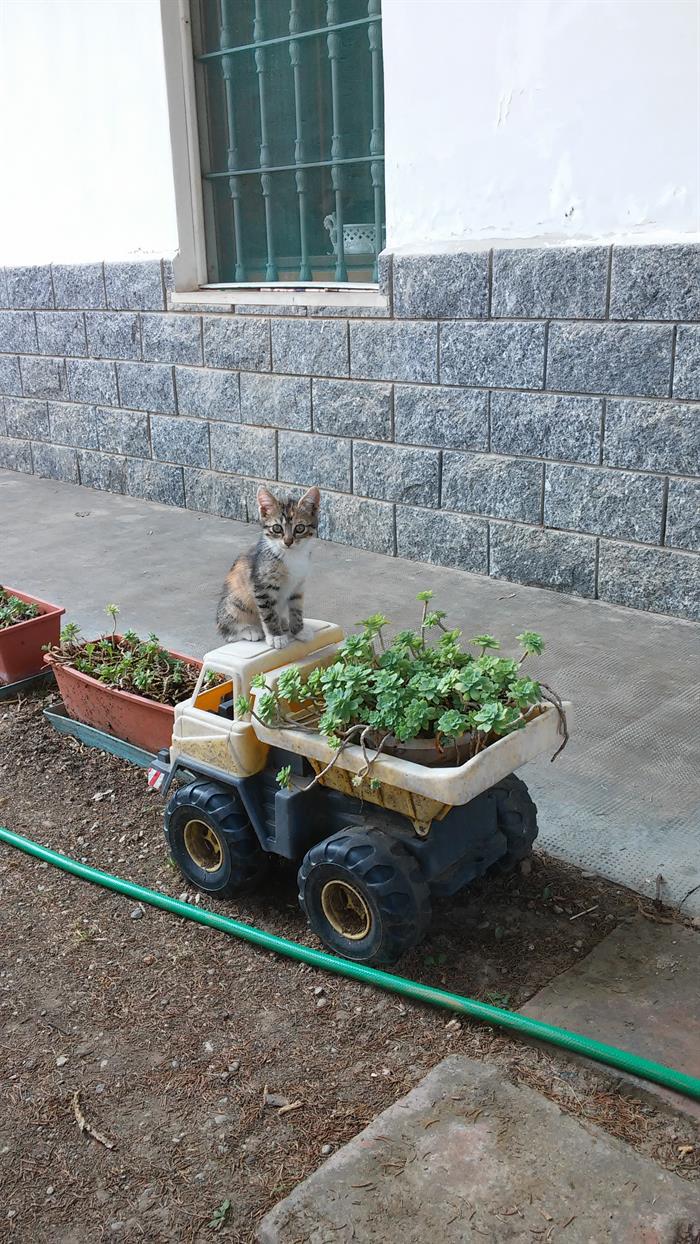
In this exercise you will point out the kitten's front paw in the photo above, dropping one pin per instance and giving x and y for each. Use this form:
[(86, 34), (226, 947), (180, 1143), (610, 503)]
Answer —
[(279, 641)]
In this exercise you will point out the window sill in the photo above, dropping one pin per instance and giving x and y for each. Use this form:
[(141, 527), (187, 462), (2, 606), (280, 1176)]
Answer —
[(362, 297)]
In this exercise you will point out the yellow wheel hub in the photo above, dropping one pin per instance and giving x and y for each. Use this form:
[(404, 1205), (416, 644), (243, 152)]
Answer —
[(203, 846), (346, 910)]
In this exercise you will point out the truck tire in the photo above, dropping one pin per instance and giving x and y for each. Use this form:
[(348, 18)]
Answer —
[(516, 816), (364, 895), (212, 841)]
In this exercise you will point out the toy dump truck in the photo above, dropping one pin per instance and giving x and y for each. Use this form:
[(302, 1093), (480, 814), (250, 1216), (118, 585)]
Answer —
[(371, 854)]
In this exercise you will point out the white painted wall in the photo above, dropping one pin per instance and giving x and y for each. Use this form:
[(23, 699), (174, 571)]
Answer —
[(85, 167), (541, 118), (504, 119)]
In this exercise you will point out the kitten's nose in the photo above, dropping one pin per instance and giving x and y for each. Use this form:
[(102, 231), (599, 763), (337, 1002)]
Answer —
[(289, 541)]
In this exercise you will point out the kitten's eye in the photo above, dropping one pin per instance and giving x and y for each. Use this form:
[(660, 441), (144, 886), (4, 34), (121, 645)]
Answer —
[(299, 528), (276, 530)]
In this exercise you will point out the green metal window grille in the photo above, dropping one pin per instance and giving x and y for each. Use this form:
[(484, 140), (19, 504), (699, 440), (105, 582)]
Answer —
[(290, 104)]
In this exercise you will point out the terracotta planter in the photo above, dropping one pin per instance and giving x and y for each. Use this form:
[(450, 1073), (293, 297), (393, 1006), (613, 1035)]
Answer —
[(21, 645), (136, 720), (424, 751)]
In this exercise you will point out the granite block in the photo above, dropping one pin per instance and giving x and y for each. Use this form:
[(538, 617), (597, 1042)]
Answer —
[(276, 401), (453, 418), (655, 282), (29, 286), (123, 432), (395, 473), (26, 418), (210, 493), (619, 504), (442, 539), (244, 451), (113, 334), (154, 481), (237, 343), (146, 386), (102, 471), (653, 436), (92, 381), (544, 426), (686, 373), (78, 286), (172, 338), (683, 515), (352, 408), (610, 358), (498, 487), (306, 347), (207, 393), (72, 424), (183, 441), (42, 377), (659, 580), (547, 282), (442, 286), (15, 455), (55, 462), (362, 524), (309, 459), (18, 333), (538, 558), (135, 286), (61, 332), (10, 377), (393, 351), (502, 355)]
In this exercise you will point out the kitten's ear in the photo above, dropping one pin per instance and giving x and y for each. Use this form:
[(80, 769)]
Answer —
[(266, 502), (311, 499)]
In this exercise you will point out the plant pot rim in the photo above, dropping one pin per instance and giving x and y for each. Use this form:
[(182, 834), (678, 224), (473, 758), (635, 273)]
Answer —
[(47, 609), (130, 696)]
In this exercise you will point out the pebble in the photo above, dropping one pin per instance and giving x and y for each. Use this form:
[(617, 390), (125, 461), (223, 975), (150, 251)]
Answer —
[(137, 913), (318, 990), (234, 1066), (104, 1062), (99, 1088), (149, 959), (321, 1002), (326, 1149), (50, 1190), (208, 1047), (61, 1061)]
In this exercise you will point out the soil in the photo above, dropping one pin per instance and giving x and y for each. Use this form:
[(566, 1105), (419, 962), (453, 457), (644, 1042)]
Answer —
[(183, 1045)]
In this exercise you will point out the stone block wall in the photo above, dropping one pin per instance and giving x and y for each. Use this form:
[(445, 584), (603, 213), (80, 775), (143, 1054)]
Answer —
[(531, 414)]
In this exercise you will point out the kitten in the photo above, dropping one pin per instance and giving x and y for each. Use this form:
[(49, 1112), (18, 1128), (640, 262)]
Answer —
[(263, 593)]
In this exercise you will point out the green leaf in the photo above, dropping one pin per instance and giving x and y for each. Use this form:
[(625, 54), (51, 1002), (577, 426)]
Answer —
[(284, 777), (242, 706), (289, 685), (219, 1215), (531, 642), (425, 596), (258, 682), (485, 641), (452, 724)]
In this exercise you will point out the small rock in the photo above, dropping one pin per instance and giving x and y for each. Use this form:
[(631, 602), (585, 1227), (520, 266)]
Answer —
[(234, 1066), (149, 959), (321, 1002), (104, 1062), (175, 1064), (453, 1025), (326, 1149), (61, 1061), (558, 909), (695, 921), (137, 913), (99, 1088), (318, 990), (49, 1190), (208, 1047)]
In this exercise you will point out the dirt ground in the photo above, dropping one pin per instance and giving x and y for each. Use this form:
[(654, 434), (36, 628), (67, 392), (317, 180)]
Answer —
[(164, 1036)]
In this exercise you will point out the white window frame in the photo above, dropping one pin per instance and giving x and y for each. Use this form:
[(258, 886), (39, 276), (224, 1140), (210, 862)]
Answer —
[(190, 262)]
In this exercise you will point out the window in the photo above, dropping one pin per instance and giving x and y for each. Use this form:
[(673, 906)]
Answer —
[(290, 118)]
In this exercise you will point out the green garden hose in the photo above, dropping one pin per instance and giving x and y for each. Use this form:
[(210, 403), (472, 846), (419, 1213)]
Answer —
[(622, 1060)]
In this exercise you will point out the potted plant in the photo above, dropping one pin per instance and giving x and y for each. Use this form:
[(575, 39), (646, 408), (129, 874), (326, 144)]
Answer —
[(433, 704), (27, 624), (121, 684)]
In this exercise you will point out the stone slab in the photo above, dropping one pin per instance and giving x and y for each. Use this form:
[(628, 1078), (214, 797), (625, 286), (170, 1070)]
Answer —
[(467, 1156), (639, 990)]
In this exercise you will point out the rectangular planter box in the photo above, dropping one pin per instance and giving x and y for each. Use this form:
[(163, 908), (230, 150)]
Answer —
[(132, 718), (449, 786), (21, 645)]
